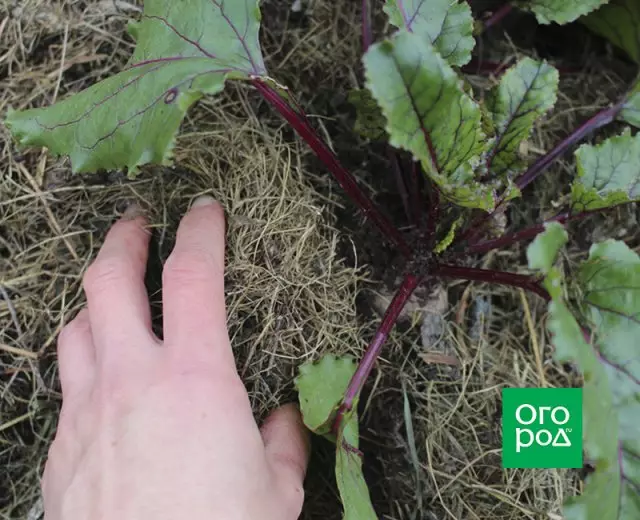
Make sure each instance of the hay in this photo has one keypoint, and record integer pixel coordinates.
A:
(290, 294)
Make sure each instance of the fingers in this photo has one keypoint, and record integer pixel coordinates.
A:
(76, 355)
(286, 441)
(116, 295)
(193, 288)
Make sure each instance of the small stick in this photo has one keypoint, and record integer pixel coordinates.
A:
(497, 17)
(18, 351)
(62, 59)
(12, 310)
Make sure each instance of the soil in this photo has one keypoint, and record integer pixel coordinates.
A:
(302, 263)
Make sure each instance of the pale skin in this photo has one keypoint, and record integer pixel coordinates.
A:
(164, 429)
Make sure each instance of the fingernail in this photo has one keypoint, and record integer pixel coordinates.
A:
(203, 200)
(132, 212)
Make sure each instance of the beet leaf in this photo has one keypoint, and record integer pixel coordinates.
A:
(600, 339)
(608, 174)
(321, 386)
(447, 24)
(559, 11)
(618, 22)
(525, 93)
(182, 53)
(429, 114)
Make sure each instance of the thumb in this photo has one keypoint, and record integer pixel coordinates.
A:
(286, 443)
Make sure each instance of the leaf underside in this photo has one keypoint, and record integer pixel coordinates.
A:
(429, 114)
(321, 386)
(600, 338)
(525, 93)
(608, 174)
(618, 22)
(184, 50)
(560, 11)
(447, 24)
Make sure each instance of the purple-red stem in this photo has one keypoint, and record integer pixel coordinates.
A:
(518, 236)
(533, 231)
(398, 172)
(497, 17)
(367, 32)
(478, 66)
(602, 118)
(390, 318)
(487, 275)
(304, 129)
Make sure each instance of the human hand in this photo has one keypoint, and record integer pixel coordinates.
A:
(158, 430)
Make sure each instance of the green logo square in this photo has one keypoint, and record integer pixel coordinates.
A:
(542, 428)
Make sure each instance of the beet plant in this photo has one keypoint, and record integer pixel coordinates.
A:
(467, 171)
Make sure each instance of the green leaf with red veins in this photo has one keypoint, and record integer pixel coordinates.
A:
(618, 22)
(525, 93)
(353, 489)
(600, 339)
(429, 114)
(447, 24)
(560, 11)
(184, 50)
(608, 173)
(321, 386)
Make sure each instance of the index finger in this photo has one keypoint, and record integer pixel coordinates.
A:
(194, 312)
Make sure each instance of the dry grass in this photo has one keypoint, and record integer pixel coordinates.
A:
(290, 294)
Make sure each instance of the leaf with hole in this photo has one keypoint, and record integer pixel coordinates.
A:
(184, 51)
(608, 173)
(429, 114)
(447, 24)
(525, 93)
(600, 338)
